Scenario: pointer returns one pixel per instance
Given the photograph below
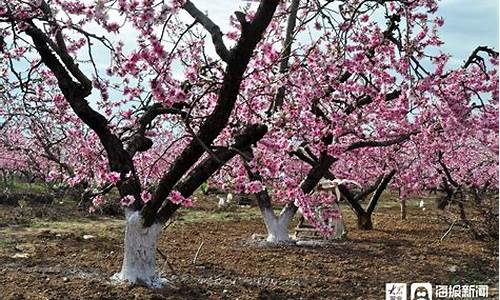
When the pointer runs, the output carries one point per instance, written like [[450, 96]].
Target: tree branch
[[285, 55], [140, 143], [372, 143], [217, 120], [211, 27], [378, 192], [206, 168]]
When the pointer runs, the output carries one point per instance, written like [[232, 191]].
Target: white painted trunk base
[[277, 227], [139, 263], [339, 230]]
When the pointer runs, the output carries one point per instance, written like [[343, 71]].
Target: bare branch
[[474, 57], [218, 119], [211, 27], [285, 55], [372, 143]]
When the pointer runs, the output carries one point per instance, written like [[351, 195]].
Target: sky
[[468, 23]]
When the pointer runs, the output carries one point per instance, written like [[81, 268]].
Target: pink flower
[[113, 177], [127, 114], [97, 201], [176, 4], [254, 187], [157, 48], [127, 200], [112, 27], [439, 21], [75, 180], [145, 196], [176, 198], [187, 202]]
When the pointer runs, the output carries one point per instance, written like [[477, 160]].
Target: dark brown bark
[[263, 197], [211, 27], [351, 199], [75, 93], [243, 142], [364, 216], [139, 142], [365, 221], [285, 56], [239, 57], [378, 192], [318, 171], [384, 143]]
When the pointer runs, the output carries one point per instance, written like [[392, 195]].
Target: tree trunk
[[365, 221], [277, 227], [4, 179], [365, 218], [339, 230], [139, 264], [402, 203]]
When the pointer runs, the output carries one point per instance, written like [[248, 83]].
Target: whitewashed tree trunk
[[338, 224], [139, 263], [277, 227]]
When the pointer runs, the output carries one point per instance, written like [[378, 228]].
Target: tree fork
[[239, 58]]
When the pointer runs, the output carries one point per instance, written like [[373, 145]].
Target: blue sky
[[468, 23]]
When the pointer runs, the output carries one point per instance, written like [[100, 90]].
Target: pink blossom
[[127, 200], [97, 201], [176, 198], [145, 196], [254, 187], [113, 177]]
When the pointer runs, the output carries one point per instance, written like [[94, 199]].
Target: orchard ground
[[44, 255]]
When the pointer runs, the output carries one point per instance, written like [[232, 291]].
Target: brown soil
[[43, 255]]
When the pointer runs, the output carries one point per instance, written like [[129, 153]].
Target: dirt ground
[[44, 255]]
